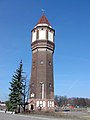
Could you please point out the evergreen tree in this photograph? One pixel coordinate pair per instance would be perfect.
(16, 89)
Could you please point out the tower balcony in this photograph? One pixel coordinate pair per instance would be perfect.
(43, 44)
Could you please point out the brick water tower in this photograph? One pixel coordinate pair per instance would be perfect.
(42, 80)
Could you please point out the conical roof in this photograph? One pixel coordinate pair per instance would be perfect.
(43, 20)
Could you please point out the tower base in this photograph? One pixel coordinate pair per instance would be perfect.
(41, 104)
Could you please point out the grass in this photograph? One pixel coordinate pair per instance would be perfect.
(51, 114)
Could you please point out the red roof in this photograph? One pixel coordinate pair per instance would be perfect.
(43, 20)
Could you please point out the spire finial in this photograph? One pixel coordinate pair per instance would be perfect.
(43, 11)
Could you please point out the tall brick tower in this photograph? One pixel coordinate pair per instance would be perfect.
(42, 82)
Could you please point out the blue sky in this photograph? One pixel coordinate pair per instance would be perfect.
(71, 21)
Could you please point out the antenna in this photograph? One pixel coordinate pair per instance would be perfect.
(43, 11)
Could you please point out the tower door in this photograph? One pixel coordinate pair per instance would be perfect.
(32, 107)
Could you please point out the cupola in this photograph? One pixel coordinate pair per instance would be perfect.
(43, 30)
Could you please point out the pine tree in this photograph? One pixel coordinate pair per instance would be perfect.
(16, 89)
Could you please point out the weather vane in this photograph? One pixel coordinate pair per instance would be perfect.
(43, 11)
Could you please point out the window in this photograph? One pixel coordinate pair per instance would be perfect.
(49, 62)
(50, 85)
(34, 36)
(33, 64)
(41, 62)
(50, 36)
(32, 85)
(42, 35)
(32, 95)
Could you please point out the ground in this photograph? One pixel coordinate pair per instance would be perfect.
(74, 116)
(83, 115)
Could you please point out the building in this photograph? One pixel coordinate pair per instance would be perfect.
(42, 82)
(2, 106)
